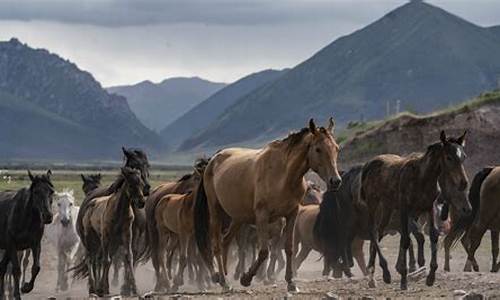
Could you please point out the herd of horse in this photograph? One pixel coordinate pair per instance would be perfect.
(260, 200)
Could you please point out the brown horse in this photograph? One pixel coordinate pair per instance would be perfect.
(107, 225)
(259, 187)
(483, 195)
(185, 184)
(462, 224)
(412, 184)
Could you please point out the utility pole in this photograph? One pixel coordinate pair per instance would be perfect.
(398, 105)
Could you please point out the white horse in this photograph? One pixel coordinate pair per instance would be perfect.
(62, 234)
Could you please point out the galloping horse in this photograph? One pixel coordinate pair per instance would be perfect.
(23, 216)
(260, 186)
(169, 222)
(412, 184)
(484, 195)
(62, 234)
(107, 225)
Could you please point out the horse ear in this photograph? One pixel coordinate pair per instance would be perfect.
(442, 137)
(31, 175)
(126, 152)
(312, 126)
(99, 176)
(71, 192)
(83, 177)
(331, 124)
(461, 139)
(49, 173)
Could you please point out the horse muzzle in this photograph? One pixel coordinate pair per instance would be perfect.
(47, 219)
(334, 183)
(65, 222)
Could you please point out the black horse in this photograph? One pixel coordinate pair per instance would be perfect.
(23, 215)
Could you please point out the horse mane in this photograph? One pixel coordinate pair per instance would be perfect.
(185, 177)
(294, 138)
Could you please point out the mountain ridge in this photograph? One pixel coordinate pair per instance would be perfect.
(418, 53)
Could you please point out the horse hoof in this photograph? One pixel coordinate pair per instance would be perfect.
(216, 278)
(149, 295)
(246, 280)
(430, 280)
(227, 288)
(292, 288)
(412, 269)
(26, 288)
(387, 277)
(447, 268)
(372, 284)
(404, 286)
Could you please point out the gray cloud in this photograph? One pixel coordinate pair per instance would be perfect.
(128, 41)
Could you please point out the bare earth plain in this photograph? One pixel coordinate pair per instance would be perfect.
(311, 283)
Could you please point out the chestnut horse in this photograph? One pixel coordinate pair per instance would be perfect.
(157, 245)
(484, 194)
(412, 184)
(259, 187)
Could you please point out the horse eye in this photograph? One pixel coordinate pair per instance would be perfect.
(318, 150)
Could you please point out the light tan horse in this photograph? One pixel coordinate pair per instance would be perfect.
(258, 187)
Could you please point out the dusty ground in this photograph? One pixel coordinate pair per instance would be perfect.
(310, 282)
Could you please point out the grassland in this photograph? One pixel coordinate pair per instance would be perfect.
(71, 179)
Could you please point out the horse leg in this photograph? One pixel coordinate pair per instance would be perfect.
(26, 260)
(117, 258)
(157, 259)
(16, 271)
(412, 261)
(433, 236)
(242, 243)
(474, 238)
(275, 253)
(129, 287)
(301, 256)
(179, 279)
(288, 238)
(404, 245)
(231, 232)
(35, 269)
(262, 224)
(494, 250)
(357, 251)
(172, 246)
(420, 238)
(60, 269)
(448, 240)
(3, 270)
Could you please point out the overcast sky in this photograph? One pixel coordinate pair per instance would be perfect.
(127, 41)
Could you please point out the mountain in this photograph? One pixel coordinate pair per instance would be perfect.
(419, 54)
(495, 30)
(200, 116)
(51, 108)
(157, 105)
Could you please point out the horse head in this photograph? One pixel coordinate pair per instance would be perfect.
(41, 193)
(137, 159)
(65, 202)
(323, 153)
(90, 182)
(135, 185)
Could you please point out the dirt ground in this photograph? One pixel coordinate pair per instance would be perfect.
(310, 281)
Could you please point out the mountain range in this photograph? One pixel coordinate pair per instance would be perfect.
(158, 104)
(195, 120)
(52, 109)
(418, 55)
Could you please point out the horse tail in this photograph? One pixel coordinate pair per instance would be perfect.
(201, 225)
(326, 227)
(463, 223)
(152, 236)
(80, 269)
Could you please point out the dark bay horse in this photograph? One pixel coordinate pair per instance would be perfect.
(90, 182)
(23, 216)
(412, 184)
(107, 225)
(259, 186)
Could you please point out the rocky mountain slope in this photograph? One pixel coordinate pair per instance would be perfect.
(38, 87)
(418, 54)
(159, 104)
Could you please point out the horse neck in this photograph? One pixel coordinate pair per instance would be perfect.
(430, 168)
(296, 162)
(122, 199)
(24, 209)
